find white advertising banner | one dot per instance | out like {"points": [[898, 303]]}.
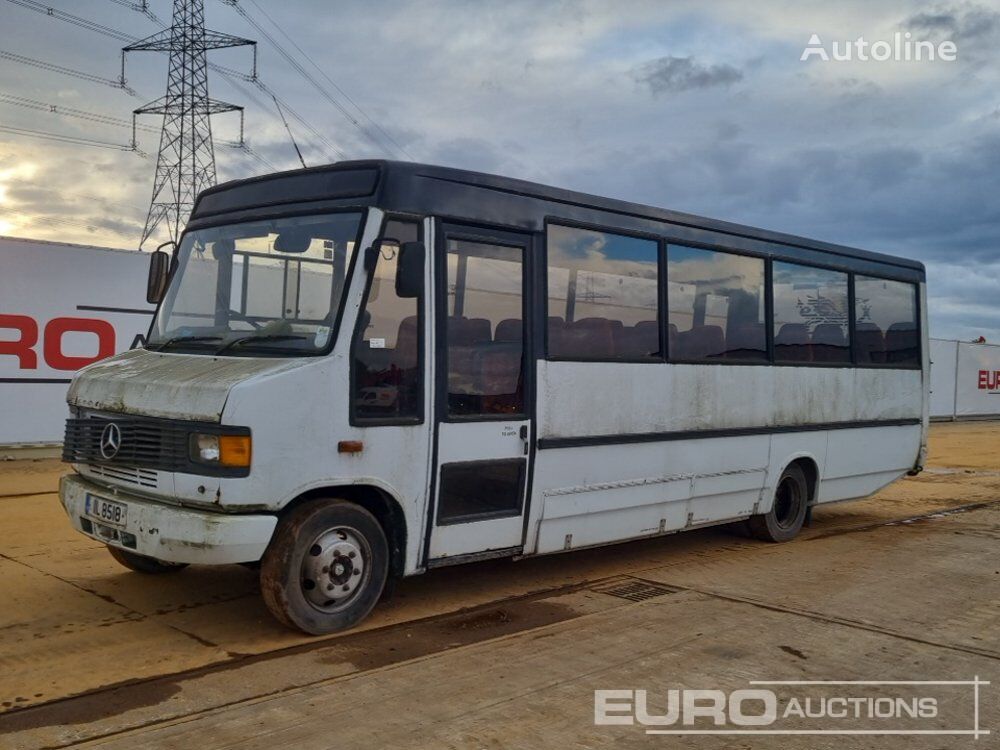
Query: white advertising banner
{"points": [[61, 308], [977, 380]]}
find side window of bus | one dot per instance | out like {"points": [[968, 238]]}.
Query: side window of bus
{"points": [[603, 295], [885, 314], [386, 372], [715, 304], [810, 314]]}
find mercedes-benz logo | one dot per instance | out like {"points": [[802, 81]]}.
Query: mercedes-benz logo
{"points": [[111, 440]]}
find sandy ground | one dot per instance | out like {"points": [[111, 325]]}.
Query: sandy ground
{"points": [[88, 650]]}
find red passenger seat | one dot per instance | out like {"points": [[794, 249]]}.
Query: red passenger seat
{"points": [[592, 338], [700, 342], [869, 342], [407, 342], [747, 341], [791, 344], [498, 379], [829, 344], [638, 341], [556, 336], [465, 338], [901, 343], [510, 329]]}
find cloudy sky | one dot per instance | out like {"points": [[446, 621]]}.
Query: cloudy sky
{"points": [[697, 106]]}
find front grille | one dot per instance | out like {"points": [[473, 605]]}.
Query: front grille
{"points": [[126, 474], [145, 443]]}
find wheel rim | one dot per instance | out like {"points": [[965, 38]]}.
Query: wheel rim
{"points": [[787, 503], [336, 567]]}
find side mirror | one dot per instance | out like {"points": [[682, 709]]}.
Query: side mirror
{"points": [[159, 275], [410, 269]]}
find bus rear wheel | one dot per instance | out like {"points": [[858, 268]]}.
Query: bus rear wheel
{"points": [[788, 511], [325, 567]]}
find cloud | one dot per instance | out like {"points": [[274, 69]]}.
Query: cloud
{"points": [[975, 29], [896, 158], [959, 23], [673, 74]]}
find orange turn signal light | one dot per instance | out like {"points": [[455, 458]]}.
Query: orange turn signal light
{"points": [[234, 450]]}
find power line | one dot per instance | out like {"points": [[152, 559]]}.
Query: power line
{"points": [[333, 83], [63, 198], [62, 15], [61, 221], [301, 120], [65, 71], [237, 79], [231, 75], [76, 197], [245, 147], [234, 77], [58, 109], [64, 222], [141, 7], [77, 140], [299, 153], [305, 74], [185, 164]]}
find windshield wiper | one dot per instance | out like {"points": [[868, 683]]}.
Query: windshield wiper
{"points": [[183, 340], [253, 338]]}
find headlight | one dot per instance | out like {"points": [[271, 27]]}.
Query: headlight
{"points": [[221, 450]]}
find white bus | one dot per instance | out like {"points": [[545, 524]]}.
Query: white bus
{"points": [[362, 371]]}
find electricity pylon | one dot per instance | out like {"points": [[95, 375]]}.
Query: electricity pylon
{"points": [[185, 164]]}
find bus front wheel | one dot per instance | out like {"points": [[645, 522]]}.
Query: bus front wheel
{"points": [[788, 511], [325, 567]]}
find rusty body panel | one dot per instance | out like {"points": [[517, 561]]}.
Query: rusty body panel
{"points": [[178, 386]]}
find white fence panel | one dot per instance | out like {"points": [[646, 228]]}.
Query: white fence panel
{"points": [[944, 356]]}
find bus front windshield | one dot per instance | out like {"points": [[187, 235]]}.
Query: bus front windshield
{"points": [[258, 288]]}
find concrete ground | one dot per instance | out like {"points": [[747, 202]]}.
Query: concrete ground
{"points": [[902, 586]]}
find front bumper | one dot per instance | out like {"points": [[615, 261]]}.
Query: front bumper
{"points": [[169, 532]]}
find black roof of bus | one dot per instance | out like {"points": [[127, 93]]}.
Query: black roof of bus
{"points": [[463, 195]]}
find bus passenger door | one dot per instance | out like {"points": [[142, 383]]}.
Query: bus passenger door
{"points": [[483, 424]]}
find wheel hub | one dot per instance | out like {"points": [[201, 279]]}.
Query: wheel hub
{"points": [[335, 568]]}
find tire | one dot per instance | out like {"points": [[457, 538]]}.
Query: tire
{"points": [[325, 567], [143, 564], [788, 511]]}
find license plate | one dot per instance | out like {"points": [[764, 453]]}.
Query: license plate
{"points": [[106, 511]]}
